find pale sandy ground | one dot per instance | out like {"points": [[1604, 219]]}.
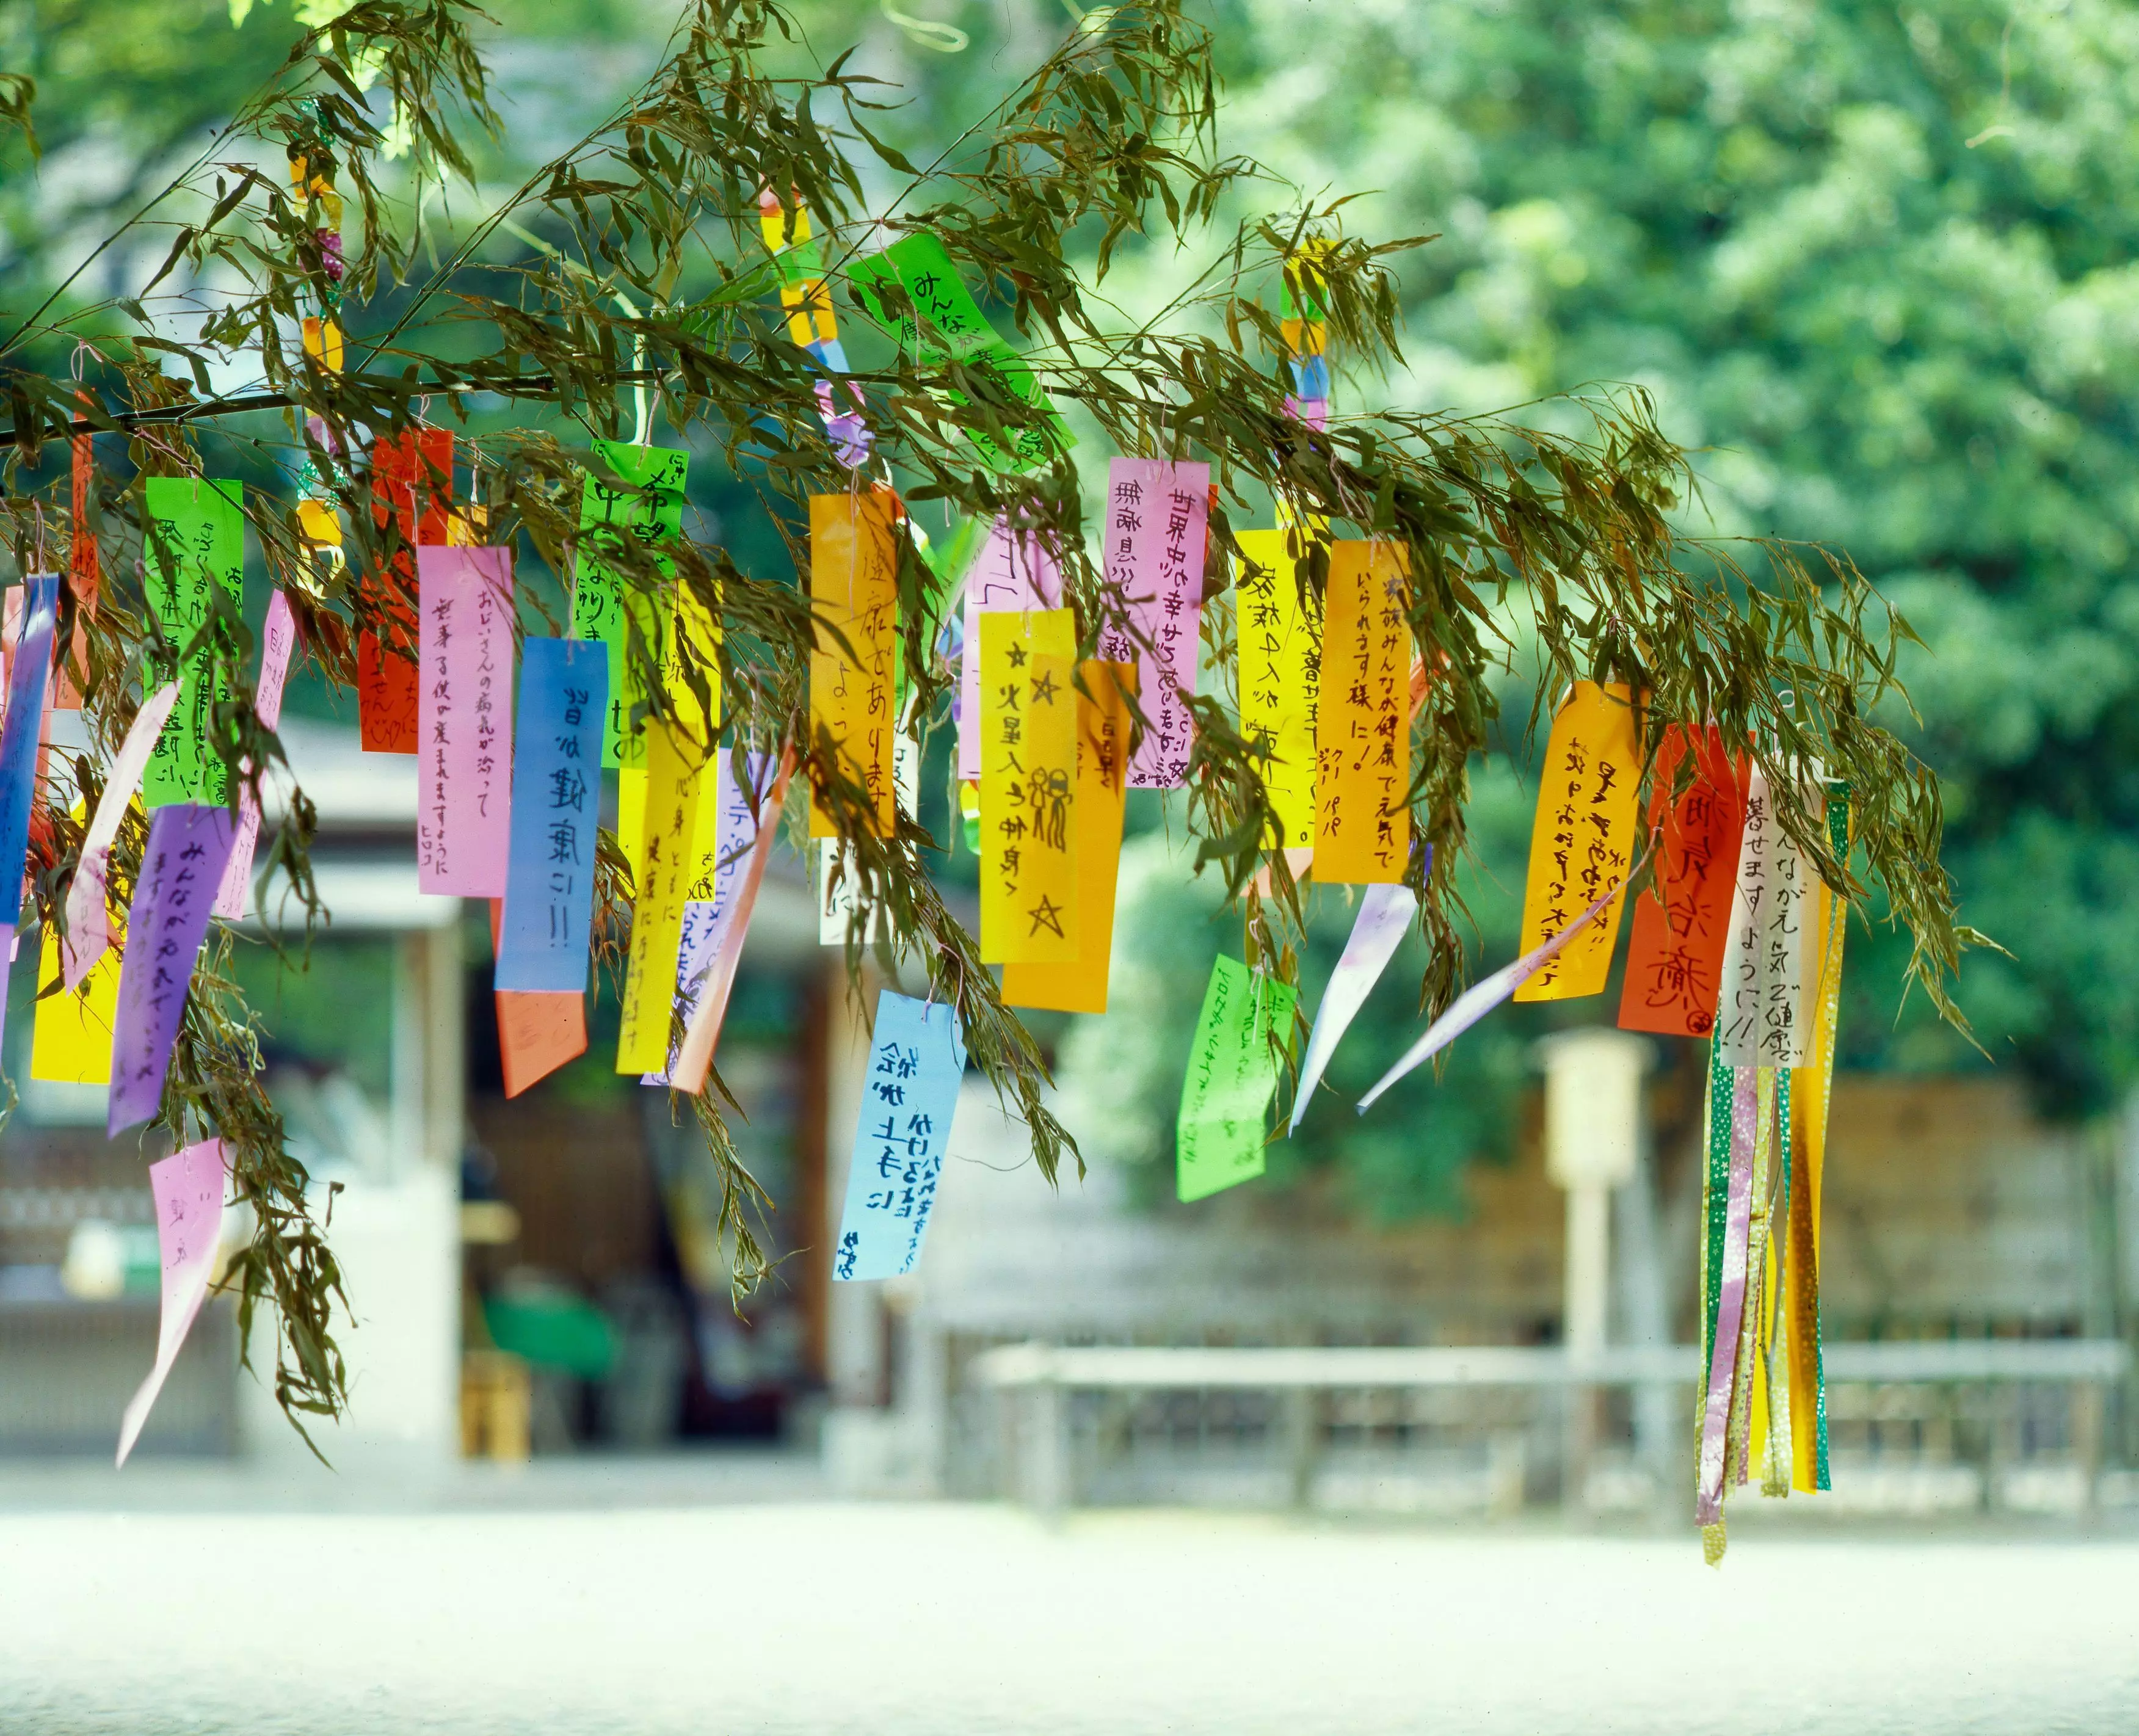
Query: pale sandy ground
{"points": [[811, 1616]]}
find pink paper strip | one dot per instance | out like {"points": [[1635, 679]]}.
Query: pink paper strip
{"points": [[276, 641], [188, 1191], [88, 917], [464, 758], [188, 848], [1385, 914], [1012, 571], [1157, 515], [1730, 1304], [1480, 998]]}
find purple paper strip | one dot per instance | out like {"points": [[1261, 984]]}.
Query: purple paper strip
{"points": [[1385, 914], [1012, 571], [28, 684], [1157, 521], [277, 641], [1730, 1309], [189, 849], [464, 720]]}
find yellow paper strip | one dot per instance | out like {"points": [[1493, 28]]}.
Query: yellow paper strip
{"points": [[1811, 1090], [1581, 841], [693, 653], [1102, 741], [853, 588], [1362, 743], [71, 1042], [1281, 657], [631, 820], [1028, 787], [666, 851]]}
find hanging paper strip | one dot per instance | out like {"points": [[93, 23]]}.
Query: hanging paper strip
{"points": [[188, 1191], [70, 1037], [536, 1033], [412, 483], [278, 639], [812, 322], [1362, 739], [645, 504], [691, 669], [1157, 521], [84, 574], [550, 875], [1231, 1077], [909, 1097], [1728, 1286], [188, 848], [840, 897], [1279, 630], [1480, 998], [464, 772], [1583, 837], [194, 541], [1762, 1017], [1102, 736], [1013, 571], [695, 1057], [88, 921], [1028, 788], [948, 324], [853, 593], [1676, 943], [1385, 914], [1303, 322], [28, 684], [657, 920]]}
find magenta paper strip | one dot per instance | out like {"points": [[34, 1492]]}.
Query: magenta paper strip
{"points": [[1730, 1309], [188, 1191], [276, 642], [1480, 998], [188, 848], [464, 762], [1157, 521], [1385, 913], [88, 915], [1012, 571]]}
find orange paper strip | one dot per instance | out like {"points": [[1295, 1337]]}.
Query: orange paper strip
{"points": [[1675, 951], [537, 1034], [412, 479], [853, 588], [1362, 745]]}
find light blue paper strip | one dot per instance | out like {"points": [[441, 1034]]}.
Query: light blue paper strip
{"points": [[544, 935], [18, 738], [909, 1097]]}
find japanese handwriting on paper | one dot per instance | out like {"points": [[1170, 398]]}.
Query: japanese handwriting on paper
{"points": [[193, 545], [1152, 559], [1582, 839], [1014, 571], [1763, 1016], [464, 833], [1279, 625], [643, 507], [853, 592], [1675, 953], [1232, 1074], [903, 1130], [412, 487], [1362, 742], [549, 890], [1028, 779]]}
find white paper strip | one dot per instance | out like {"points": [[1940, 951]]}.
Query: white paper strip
{"points": [[1385, 913]]}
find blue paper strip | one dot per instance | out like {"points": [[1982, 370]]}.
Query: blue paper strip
{"points": [[18, 738], [908, 1097], [544, 935]]}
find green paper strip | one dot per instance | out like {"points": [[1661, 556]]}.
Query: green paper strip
{"points": [[651, 510], [195, 539], [1232, 1075]]}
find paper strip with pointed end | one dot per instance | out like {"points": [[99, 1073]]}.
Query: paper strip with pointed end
{"points": [[537, 1032], [1385, 914], [1103, 738], [853, 593], [188, 848], [1675, 947], [464, 766], [28, 684], [193, 542], [88, 917], [188, 1188], [664, 885], [1480, 998], [1231, 1077], [1582, 839], [917, 1055], [556, 754], [1278, 628], [1028, 788], [1720, 1387], [1362, 739], [277, 640], [1158, 523]]}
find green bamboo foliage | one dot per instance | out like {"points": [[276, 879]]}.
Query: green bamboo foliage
{"points": [[653, 273]]}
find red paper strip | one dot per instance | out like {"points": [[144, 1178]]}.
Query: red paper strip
{"points": [[83, 574], [1675, 956], [413, 477]]}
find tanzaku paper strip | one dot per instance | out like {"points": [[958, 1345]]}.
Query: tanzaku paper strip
{"points": [[278, 639], [1720, 1387], [1385, 914], [1103, 737], [1012, 572], [1157, 514], [902, 1131], [88, 919], [1231, 1077], [854, 594], [1762, 1017], [28, 683], [464, 766], [84, 575], [1362, 738], [549, 879], [1279, 630], [1583, 837], [1028, 788], [1675, 947], [188, 1189], [70, 1038], [646, 505], [194, 541], [188, 848], [664, 887], [537, 1033], [412, 482]]}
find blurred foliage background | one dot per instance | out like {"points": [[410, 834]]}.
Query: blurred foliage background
{"points": [[1874, 263]]}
